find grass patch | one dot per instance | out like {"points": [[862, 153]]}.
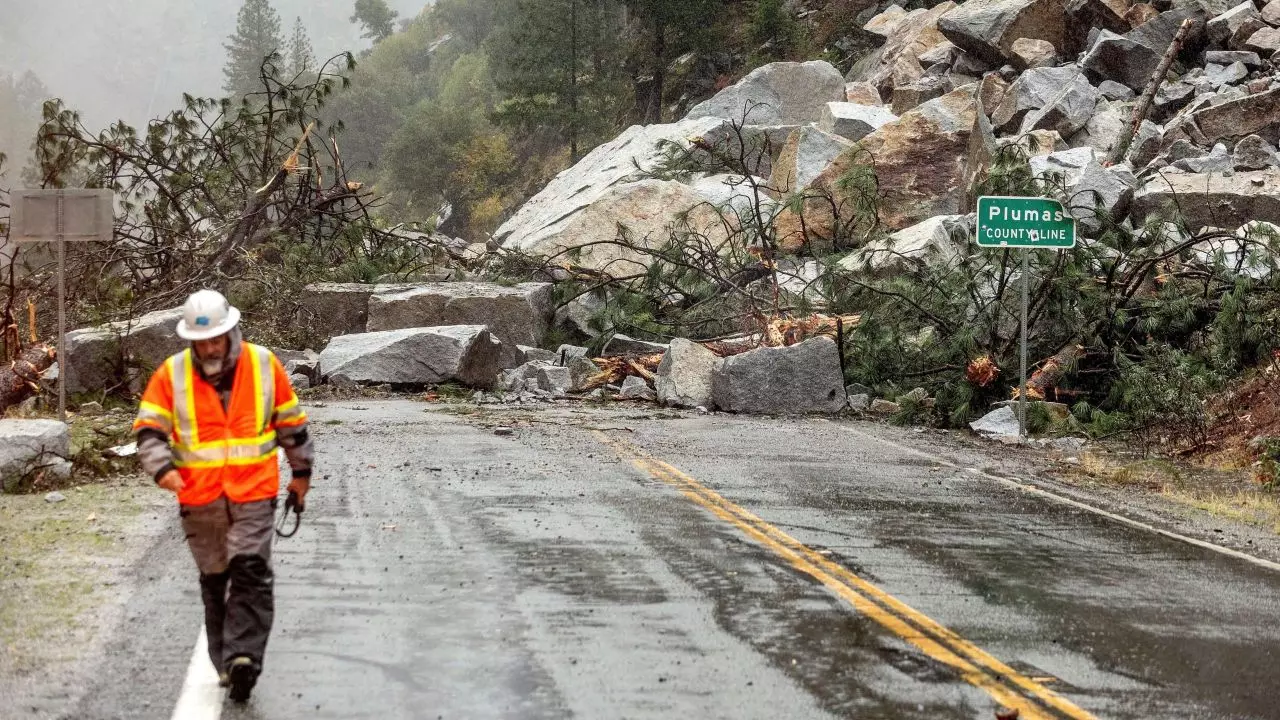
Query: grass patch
{"points": [[52, 560], [1222, 490], [1151, 473], [1250, 507]]}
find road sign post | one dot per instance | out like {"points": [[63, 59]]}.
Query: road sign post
{"points": [[1026, 223], [61, 216]]}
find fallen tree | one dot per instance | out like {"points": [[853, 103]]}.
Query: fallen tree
{"points": [[250, 196]]}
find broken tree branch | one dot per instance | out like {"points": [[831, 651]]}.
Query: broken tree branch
{"points": [[1143, 108]]}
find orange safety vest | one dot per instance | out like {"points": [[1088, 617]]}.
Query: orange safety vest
{"points": [[218, 452]]}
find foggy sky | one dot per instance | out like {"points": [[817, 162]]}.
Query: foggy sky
{"points": [[133, 59]]}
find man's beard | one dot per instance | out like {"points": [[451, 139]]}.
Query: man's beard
{"points": [[212, 367]]}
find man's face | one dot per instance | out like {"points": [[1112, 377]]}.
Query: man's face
{"points": [[213, 349]]}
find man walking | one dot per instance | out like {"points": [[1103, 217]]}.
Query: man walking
{"points": [[208, 427]]}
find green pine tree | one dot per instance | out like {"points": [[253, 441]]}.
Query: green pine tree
{"points": [[558, 64], [257, 37], [662, 31], [301, 58], [378, 19]]}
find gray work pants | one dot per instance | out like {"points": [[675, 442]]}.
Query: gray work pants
{"points": [[231, 544]]}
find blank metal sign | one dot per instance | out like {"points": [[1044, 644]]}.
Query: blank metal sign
{"points": [[86, 215]]}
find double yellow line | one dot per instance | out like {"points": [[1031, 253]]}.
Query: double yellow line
{"points": [[1005, 685]]}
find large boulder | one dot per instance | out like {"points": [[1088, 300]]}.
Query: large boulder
{"points": [[1253, 114], [803, 378], [1266, 41], [935, 240], [467, 354], [738, 197], [1121, 59], [1271, 12], [1233, 27], [884, 23], [1063, 161], [1219, 77], [127, 351], [27, 446], [331, 309], [300, 362], [1028, 53], [805, 156], [908, 37], [782, 93], [516, 314], [612, 164], [1230, 57], [1132, 58], [621, 344], [1245, 254], [1146, 144], [1052, 98], [988, 28], [925, 165], [645, 212], [852, 121], [1219, 160], [1086, 185], [1094, 189], [684, 375], [914, 94], [1254, 153], [1085, 15], [1211, 199], [1104, 129]]}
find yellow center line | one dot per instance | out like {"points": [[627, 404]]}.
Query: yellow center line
{"points": [[1004, 684]]}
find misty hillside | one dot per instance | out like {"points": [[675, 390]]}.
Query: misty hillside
{"points": [[133, 59]]}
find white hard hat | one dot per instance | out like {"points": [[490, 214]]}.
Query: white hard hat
{"points": [[207, 315]]}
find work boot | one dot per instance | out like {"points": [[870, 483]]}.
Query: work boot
{"points": [[243, 675]]}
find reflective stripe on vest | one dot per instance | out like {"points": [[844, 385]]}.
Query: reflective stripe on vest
{"points": [[153, 416], [290, 414], [188, 452]]}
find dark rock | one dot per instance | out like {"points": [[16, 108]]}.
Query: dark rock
{"points": [[1254, 153], [988, 29], [803, 378]]}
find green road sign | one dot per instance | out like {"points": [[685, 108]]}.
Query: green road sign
{"points": [[1024, 222]]}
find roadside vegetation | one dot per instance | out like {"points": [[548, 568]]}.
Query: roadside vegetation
{"points": [[360, 168]]}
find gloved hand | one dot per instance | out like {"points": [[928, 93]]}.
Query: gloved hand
{"points": [[300, 486], [172, 481]]}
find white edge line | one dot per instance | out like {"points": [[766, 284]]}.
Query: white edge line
{"points": [[201, 698], [1041, 492]]}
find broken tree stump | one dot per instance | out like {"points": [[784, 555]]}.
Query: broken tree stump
{"points": [[21, 379]]}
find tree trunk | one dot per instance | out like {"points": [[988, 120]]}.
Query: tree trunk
{"points": [[653, 114], [1051, 373], [21, 379], [573, 82]]}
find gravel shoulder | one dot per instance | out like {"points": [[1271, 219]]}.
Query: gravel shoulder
{"points": [[65, 579]]}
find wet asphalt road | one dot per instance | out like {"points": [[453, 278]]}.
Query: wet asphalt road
{"points": [[445, 572]]}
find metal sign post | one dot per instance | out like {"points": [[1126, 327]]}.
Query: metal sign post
{"points": [[1027, 223], [61, 216]]}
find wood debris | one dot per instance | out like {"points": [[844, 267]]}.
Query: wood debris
{"points": [[783, 332], [615, 369], [20, 379]]}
